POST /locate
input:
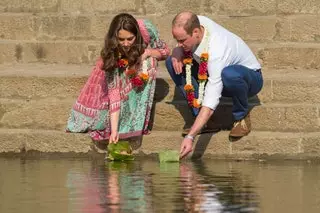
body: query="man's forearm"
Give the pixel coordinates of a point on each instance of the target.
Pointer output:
(202, 118)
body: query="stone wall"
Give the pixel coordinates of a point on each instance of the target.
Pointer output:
(72, 31)
(36, 95)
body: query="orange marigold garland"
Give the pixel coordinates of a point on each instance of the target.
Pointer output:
(202, 79)
(137, 79)
(122, 63)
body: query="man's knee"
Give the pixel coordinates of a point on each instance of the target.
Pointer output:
(169, 63)
(229, 76)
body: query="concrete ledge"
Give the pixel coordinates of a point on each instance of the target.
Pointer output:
(52, 114)
(258, 145)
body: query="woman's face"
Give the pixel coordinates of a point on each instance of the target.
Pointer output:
(125, 39)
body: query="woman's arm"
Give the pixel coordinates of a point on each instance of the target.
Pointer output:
(114, 106)
(157, 47)
(149, 52)
(114, 119)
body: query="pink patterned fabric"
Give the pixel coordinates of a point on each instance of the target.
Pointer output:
(98, 95)
(94, 95)
(104, 94)
(144, 31)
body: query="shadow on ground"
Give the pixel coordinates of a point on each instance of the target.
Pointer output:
(222, 119)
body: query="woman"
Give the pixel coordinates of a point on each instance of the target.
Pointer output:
(117, 99)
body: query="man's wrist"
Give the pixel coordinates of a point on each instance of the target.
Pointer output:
(189, 137)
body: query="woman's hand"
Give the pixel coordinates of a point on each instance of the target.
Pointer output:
(114, 118)
(114, 137)
(145, 55)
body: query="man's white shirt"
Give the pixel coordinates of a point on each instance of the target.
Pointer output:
(224, 49)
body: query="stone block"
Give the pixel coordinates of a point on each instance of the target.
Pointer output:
(293, 91)
(98, 6)
(53, 27)
(17, 27)
(299, 28)
(267, 143)
(49, 113)
(285, 118)
(160, 140)
(210, 7)
(18, 141)
(171, 7)
(311, 144)
(305, 28)
(301, 118)
(61, 52)
(64, 27)
(29, 6)
(163, 24)
(247, 7)
(33, 88)
(266, 118)
(298, 7)
(100, 26)
(283, 29)
(10, 142)
(9, 52)
(276, 145)
(250, 28)
(246, 145)
(294, 56)
(266, 93)
(169, 117)
(215, 143)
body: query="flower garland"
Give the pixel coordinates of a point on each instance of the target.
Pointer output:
(202, 79)
(138, 79)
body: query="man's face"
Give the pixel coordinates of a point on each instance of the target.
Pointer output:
(186, 41)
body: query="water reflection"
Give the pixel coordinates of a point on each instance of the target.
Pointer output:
(149, 187)
(145, 185)
(198, 195)
(214, 192)
(112, 187)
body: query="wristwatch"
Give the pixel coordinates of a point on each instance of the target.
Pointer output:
(189, 137)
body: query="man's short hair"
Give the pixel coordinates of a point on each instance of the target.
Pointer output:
(188, 20)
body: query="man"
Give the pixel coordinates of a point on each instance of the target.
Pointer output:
(221, 63)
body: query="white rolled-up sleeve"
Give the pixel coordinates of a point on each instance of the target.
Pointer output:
(219, 58)
(214, 84)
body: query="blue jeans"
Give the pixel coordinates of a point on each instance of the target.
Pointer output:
(239, 83)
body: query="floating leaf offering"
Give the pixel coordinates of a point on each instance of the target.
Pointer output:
(120, 151)
(169, 156)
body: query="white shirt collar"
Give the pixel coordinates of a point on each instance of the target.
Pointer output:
(204, 44)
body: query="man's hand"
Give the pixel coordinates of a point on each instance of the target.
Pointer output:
(202, 118)
(186, 147)
(176, 59)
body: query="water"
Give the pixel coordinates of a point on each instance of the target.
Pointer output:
(86, 185)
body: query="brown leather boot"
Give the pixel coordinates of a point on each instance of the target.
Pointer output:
(241, 128)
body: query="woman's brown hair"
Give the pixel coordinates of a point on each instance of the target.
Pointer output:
(112, 49)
